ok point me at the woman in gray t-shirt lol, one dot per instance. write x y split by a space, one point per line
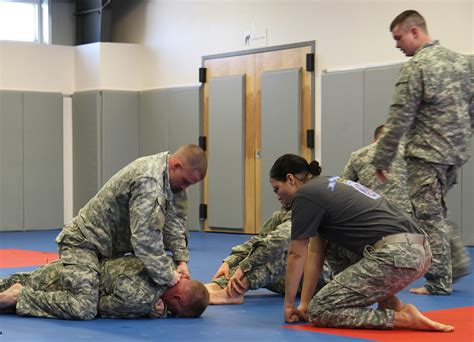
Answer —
392 248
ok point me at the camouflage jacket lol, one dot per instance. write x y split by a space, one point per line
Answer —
432 105
272 243
126 289
359 169
136 212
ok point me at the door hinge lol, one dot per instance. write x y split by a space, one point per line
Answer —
202 75
310 62
202 211
310 138
203 143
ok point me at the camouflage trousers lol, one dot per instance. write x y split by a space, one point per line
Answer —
379 274
429 184
272 277
21 277
45 278
40 278
339 258
77 293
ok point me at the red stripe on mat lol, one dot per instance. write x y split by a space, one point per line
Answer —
23 258
461 318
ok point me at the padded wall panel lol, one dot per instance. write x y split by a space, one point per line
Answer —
281 113
379 84
341 100
342 108
467 227
119 131
153 121
11 160
43 160
183 128
226 148
86 107
468 193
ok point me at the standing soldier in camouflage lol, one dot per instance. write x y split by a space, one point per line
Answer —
392 250
258 263
431 106
140 210
395 188
359 169
126 291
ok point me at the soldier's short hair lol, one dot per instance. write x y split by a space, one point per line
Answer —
194 157
197 300
409 18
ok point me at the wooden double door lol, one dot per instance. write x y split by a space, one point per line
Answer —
258 105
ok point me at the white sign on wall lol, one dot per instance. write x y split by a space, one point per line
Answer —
255 39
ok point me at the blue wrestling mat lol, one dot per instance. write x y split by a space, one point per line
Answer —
260 318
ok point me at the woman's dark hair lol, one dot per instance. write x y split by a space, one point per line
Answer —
294 164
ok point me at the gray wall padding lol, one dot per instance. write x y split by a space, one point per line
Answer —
379 84
467 187
226 150
31 160
43 160
105 139
342 108
119 131
86 125
153 121
183 128
281 116
467 198
353 104
11 160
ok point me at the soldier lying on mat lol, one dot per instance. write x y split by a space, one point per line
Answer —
257 263
126 291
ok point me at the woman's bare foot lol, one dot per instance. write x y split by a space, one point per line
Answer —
223 297
391 303
420 290
410 318
212 287
8 298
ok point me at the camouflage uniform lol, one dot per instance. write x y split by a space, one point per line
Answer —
135 211
19 277
432 103
380 273
339 258
126 290
359 168
263 257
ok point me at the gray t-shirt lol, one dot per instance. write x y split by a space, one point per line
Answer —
346 213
